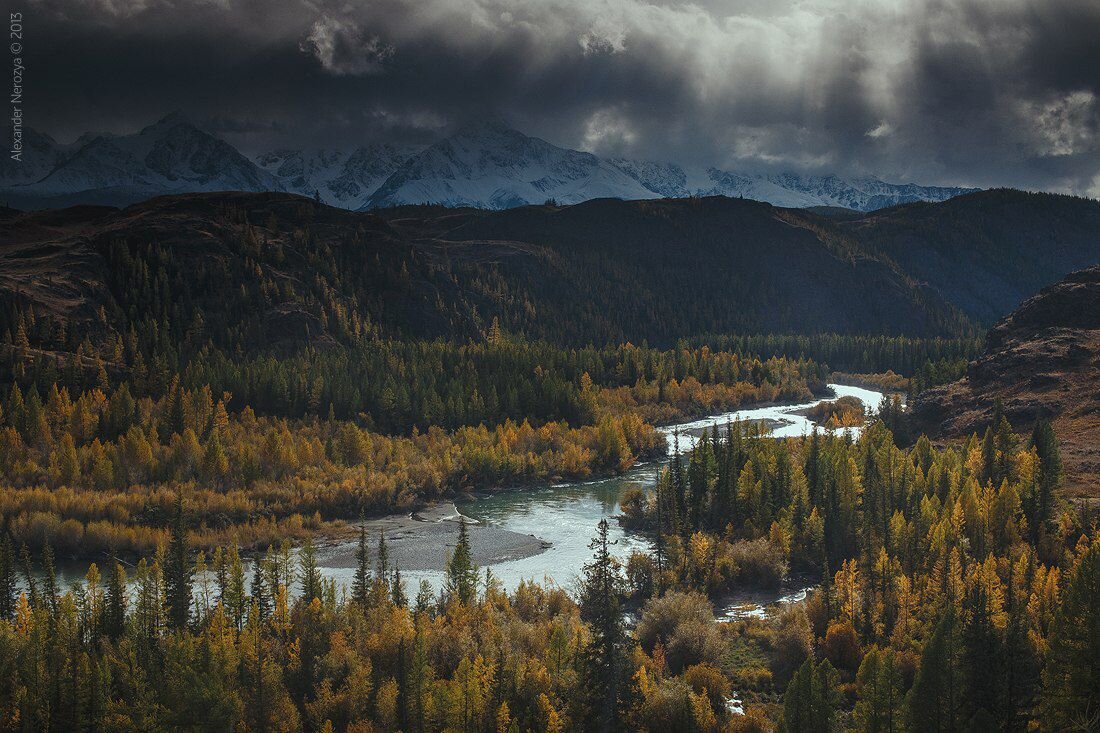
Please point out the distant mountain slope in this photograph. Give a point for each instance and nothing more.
(782, 189)
(342, 178)
(41, 154)
(600, 271)
(986, 252)
(1043, 360)
(658, 269)
(170, 156)
(270, 269)
(489, 165)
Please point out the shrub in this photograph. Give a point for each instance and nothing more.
(684, 624)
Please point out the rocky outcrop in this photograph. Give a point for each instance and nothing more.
(1043, 360)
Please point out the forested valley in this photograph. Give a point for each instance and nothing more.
(192, 386)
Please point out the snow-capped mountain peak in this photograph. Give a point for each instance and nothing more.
(341, 178)
(170, 156)
(490, 165)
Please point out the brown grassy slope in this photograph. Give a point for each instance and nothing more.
(1042, 360)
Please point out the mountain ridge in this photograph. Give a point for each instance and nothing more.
(170, 156)
(762, 252)
(678, 267)
(484, 164)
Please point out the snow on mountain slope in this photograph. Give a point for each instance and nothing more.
(489, 165)
(866, 193)
(41, 154)
(783, 189)
(342, 178)
(667, 179)
(170, 156)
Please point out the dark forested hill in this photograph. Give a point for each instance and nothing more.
(248, 270)
(266, 271)
(986, 252)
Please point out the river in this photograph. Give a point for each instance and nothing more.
(543, 533)
(565, 515)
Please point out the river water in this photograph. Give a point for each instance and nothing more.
(565, 515)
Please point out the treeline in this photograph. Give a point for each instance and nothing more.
(96, 473)
(393, 386)
(929, 361)
(188, 641)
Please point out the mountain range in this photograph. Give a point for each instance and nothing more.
(485, 164)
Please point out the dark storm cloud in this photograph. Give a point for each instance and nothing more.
(952, 91)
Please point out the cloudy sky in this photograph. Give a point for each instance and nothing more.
(972, 92)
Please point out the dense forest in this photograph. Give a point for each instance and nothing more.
(957, 594)
(98, 438)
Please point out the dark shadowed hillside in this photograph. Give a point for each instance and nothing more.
(267, 269)
(985, 252)
(277, 269)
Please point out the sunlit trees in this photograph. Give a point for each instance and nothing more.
(683, 625)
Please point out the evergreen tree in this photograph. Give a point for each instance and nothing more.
(601, 590)
(878, 709)
(114, 614)
(933, 703)
(811, 700)
(8, 572)
(397, 594)
(177, 571)
(1045, 444)
(382, 563)
(176, 417)
(49, 582)
(982, 662)
(311, 577)
(28, 575)
(259, 592)
(461, 572)
(215, 463)
(361, 583)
